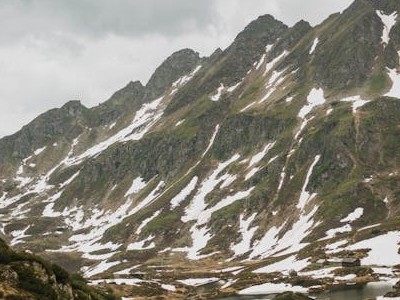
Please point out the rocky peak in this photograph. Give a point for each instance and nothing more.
(134, 90)
(292, 36)
(175, 66)
(74, 108)
(265, 27)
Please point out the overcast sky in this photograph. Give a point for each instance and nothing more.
(52, 51)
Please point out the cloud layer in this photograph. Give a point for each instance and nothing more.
(52, 51)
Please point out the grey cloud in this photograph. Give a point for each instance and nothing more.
(314, 11)
(101, 17)
(55, 50)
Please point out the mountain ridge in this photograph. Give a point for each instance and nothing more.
(270, 155)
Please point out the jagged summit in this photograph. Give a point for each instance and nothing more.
(177, 65)
(266, 27)
(74, 108)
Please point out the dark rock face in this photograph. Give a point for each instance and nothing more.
(248, 47)
(66, 122)
(348, 54)
(230, 66)
(177, 65)
(124, 101)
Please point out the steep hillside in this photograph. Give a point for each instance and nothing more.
(259, 160)
(25, 276)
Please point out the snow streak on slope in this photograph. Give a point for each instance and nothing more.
(233, 87)
(100, 268)
(291, 241)
(137, 185)
(305, 196)
(185, 79)
(388, 22)
(269, 66)
(353, 216)
(387, 244)
(198, 204)
(99, 222)
(144, 119)
(211, 141)
(177, 200)
(218, 94)
(284, 266)
(356, 101)
(199, 211)
(314, 46)
(198, 281)
(259, 156)
(138, 246)
(350, 218)
(199, 231)
(395, 89)
(247, 234)
(147, 221)
(315, 98)
(273, 83)
(256, 159)
(261, 62)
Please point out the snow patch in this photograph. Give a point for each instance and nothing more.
(315, 98)
(285, 266)
(169, 287)
(272, 288)
(211, 141)
(353, 216)
(144, 119)
(388, 22)
(198, 281)
(147, 221)
(259, 156)
(251, 173)
(395, 89)
(247, 234)
(305, 196)
(138, 246)
(218, 94)
(233, 87)
(290, 242)
(137, 185)
(179, 123)
(185, 79)
(19, 235)
(335, 247)
(387, 243)
(357, 102)
(99, 268)
(314, 45)
(269, 66)
(178, 199)
(331, 233)
(38, 151)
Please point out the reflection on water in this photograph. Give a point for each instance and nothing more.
(371, 290)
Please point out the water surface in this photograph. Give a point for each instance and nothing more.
(370, 290)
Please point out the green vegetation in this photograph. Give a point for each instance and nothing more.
(41, 280)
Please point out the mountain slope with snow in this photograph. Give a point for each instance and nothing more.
(266, 157)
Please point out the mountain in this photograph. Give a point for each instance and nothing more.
(225, 171)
